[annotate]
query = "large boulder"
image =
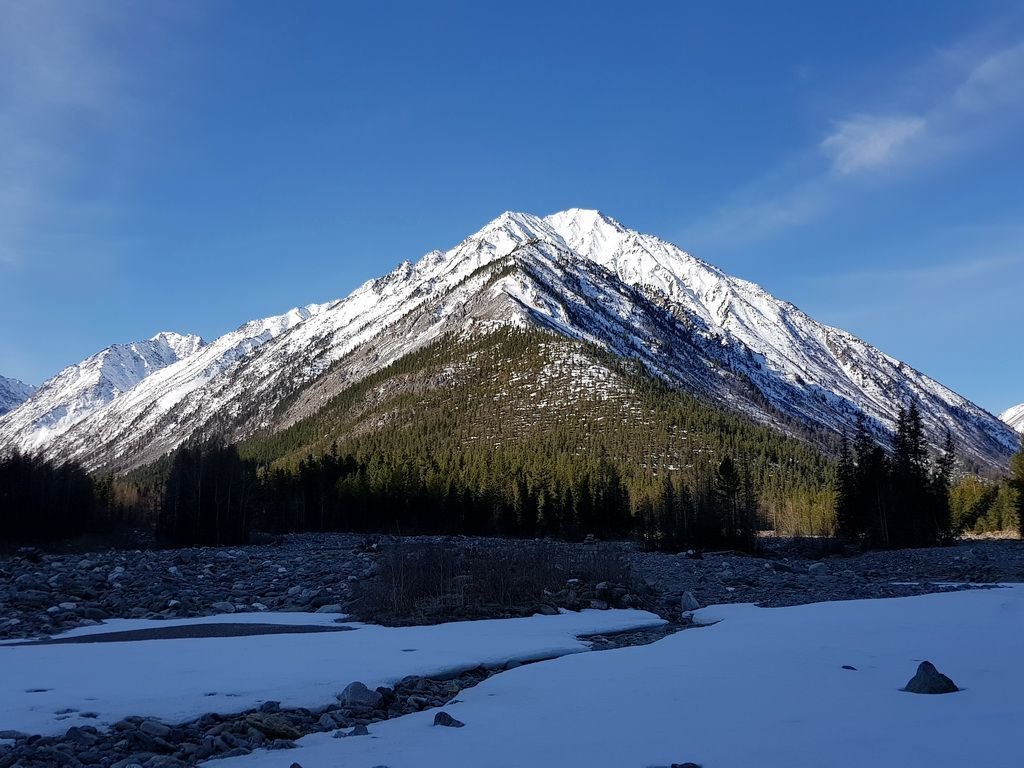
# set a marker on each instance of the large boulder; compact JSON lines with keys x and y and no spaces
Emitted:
{"x":929,"y":680}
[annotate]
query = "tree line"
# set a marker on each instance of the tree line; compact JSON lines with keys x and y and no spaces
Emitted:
{"x":47,"y":500}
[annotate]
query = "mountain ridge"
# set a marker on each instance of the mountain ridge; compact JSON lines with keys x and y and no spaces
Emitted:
{"x":577,"y":273}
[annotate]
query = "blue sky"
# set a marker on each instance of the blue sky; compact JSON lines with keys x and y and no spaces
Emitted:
{"x":188,"y":166}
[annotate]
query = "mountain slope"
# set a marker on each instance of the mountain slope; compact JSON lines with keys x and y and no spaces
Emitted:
{"x":1014,"y":417}
{"x":576,"y":274}
{"x":13,"y":393}
{"x":82,"y":389}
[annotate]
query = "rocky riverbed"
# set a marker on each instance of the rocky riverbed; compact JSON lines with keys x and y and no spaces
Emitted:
{"x":42,"y":594}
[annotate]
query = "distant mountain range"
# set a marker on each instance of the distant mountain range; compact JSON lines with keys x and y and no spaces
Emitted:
{"x":577,"y":275}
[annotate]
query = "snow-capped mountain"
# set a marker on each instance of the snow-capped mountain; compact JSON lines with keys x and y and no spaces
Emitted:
{"x":84,"y":388}
{"x":578,"y":274}
{"x":128,"y":420}
{"x":1014,"y":417}
{"x":13,"y":393}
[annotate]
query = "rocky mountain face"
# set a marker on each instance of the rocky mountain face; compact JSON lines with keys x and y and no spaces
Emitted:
{"x":1014,"y":417}
{"x":13,"y":393}
{"x":577,"y":274}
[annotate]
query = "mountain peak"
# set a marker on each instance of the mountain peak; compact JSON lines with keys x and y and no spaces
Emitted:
{"x":182,"y":345}
{"x":588,"y":232}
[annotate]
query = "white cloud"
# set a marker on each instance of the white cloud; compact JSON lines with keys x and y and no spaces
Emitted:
{"x":980,"y":104}
{"x":868,"y":142}
{"x":58,"y":81}
{"x":996,"y":80}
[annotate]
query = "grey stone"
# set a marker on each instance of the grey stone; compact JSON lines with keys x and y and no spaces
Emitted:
{"x":223,"y":607}
{"x":154,"y":728}
{"x":929,"y":680}
{"x":444,"y":719}
{"x":688,"y":602}
{"x":358,"y":695}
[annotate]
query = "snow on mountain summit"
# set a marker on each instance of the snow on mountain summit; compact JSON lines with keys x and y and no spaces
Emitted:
{"x":1014,"y":417}
{"x":577,"y":273}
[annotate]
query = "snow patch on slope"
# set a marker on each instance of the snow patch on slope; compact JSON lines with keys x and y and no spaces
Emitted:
{"x":1014,"y":417}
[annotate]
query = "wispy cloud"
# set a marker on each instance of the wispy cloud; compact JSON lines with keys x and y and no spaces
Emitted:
{"x":58,"y":82}
{"x":994,"y":81}
{"x":867,"y":142}
{"x":984,"y":99}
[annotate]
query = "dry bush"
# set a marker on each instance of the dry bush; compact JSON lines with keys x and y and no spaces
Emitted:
{"x":428,"y":583}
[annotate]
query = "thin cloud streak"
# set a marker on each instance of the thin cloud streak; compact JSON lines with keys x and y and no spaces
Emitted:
{"x":57,"y":80}
{"x":866,"y":142}
{"x":985,"y":102}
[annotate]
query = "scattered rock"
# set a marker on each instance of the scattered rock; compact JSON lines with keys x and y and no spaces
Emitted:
{"x":929,"y":680}
{"x":819,"y":570}
{"x":444,"y":719}
{"x":688,"y":602}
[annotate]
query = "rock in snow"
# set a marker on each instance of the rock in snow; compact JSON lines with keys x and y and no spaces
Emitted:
{"x":446,"y":720}
{"x":929,"y":680}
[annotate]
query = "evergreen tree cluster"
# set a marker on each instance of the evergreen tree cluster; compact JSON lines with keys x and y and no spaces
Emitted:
{"x":982,"y":505}
{"x":410,"y":494}
{"x":207,"y":497}
{"x":900,"y":500}
{"x":722,"y":510}
{"x":40,"y":499}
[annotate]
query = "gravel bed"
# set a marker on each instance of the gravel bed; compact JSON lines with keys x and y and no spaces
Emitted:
{"x":41,"y":594}
{"x":775,"y":581}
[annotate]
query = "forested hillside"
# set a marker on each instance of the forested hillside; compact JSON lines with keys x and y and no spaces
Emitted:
{"x":516,"y":418}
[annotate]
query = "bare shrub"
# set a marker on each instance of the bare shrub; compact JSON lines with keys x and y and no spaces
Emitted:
{"x":420,"y":583}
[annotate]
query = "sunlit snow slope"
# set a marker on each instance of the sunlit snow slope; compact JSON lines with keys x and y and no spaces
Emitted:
{"x":82,"y":389}
{"x":1014,"y":417}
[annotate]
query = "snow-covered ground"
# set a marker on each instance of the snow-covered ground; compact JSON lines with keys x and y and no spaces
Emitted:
{"x":45,"y":689}
{"x":762,"y":687}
